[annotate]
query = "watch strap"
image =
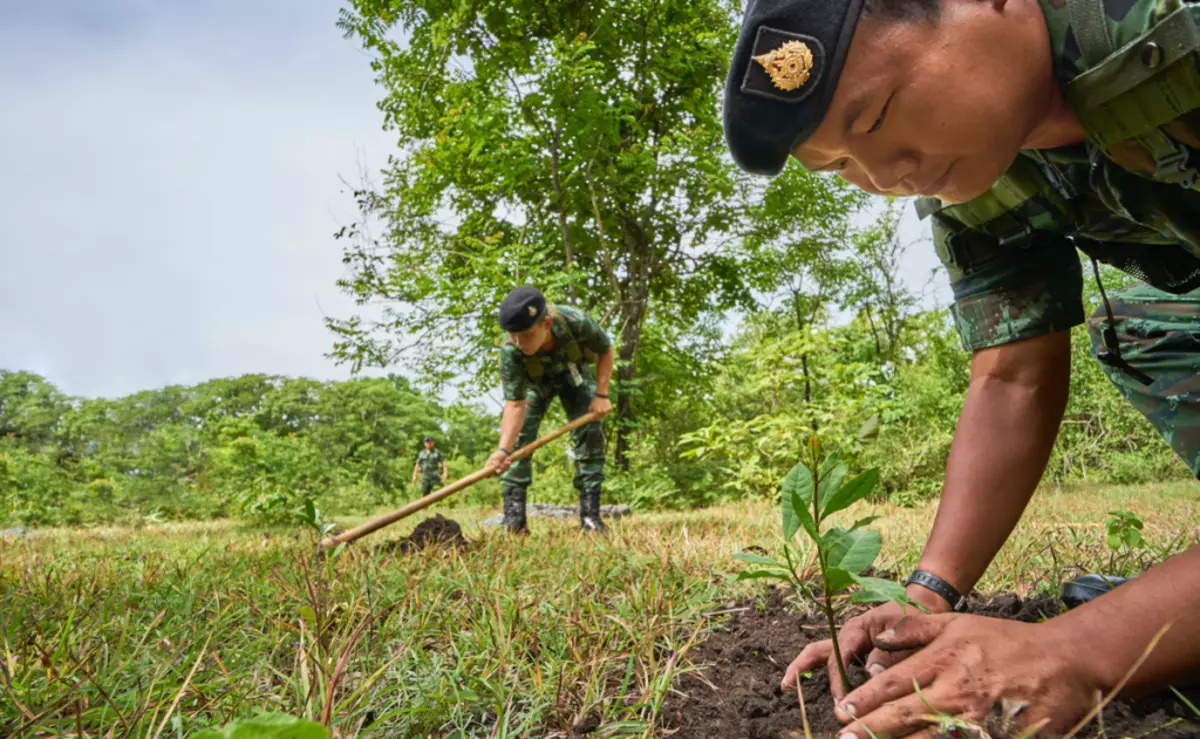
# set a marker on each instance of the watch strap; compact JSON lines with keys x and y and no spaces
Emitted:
{"x":930,"y":581}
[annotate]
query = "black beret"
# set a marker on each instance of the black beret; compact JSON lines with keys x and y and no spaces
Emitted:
{"x":522,"y":308}
{"x":785,"y":68}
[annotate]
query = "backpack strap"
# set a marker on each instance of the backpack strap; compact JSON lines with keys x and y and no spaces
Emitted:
{"x":1128,"y":95}
{"x":1091,"y":29}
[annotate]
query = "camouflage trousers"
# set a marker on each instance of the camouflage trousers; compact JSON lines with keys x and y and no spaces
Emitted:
{"x":588,"y":440}
{"x":1159,"y":335}
{"x":429,"y":483}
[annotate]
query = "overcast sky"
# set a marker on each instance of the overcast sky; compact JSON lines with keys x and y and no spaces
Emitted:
{"x":169,"y":184}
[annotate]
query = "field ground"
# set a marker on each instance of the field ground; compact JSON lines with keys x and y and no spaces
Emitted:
{"x":163,"y":630}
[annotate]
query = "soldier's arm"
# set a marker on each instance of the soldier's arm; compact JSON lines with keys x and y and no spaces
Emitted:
{"x":445,"y":468}
{"x":1005,"y":433}
{"x":604,"y":368}
{"x":510,"y":428}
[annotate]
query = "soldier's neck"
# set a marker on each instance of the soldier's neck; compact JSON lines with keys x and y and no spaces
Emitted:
{"x":1058,"y":127}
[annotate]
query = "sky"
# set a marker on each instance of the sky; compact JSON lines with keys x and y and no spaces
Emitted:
{"x":170,"y":180}
{"x":169,"y":187}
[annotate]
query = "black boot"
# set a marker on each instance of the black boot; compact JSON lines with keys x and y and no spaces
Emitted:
{"x":589,"y":511}
{"x":514,"y":510}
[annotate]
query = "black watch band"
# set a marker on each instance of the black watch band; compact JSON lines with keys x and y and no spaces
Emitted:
{"x":601,"y":395}
{"x":930,"y":581}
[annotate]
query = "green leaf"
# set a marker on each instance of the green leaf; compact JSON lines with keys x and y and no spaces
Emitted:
{"x":855,"y":551}
{"x":837,"y":580}
{"x":268,"y":725}
{"x":756,"y":559}
{"x":830,"y":483}
{"x":878,"y":590}
{"x":864,"y":522}
{"x":1113,"y":540}
{"x":797,"y":497}
{"x":869,"y":428}
{"x":852,"y":492}
{"x":762,"y":574}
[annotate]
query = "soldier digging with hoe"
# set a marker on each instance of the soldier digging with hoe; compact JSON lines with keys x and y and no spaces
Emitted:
{"x":431,"y":463}
{"x":548,"y":352}
{"x":1033,"y":128}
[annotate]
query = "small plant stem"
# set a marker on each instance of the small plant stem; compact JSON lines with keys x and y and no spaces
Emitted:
{"x":827,"y":607}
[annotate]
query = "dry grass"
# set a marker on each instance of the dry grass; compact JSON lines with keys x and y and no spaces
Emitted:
{"x":104,"y":631}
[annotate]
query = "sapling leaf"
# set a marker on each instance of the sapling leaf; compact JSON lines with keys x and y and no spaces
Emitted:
{"x":855,"y":550}
{"x":797,"y":484}
{"x":804,"y":516}
{"x":852,"y":492}
{"x":833,"y":472}
{"x":838,"y":580}
{"x":864,"y":522}
{"x":878,"y":590}
{"x":757,"y":559}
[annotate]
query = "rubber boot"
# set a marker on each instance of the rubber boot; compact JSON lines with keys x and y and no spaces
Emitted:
{"x":1088,"y":587}
{"x":589,"y":511}
{"x":514,"y":511}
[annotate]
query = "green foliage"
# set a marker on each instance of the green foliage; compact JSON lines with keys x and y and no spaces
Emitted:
{"x":267,"y":726}
{"x":256,"y":446}
{"x":1123,"y":531}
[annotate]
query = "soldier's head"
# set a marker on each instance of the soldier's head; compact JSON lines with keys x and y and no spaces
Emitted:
{"x":899,"y":97}
{"x":524,"y":316}
{"x":429,"y":443}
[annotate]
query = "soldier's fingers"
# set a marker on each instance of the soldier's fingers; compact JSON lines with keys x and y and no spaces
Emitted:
{"x":811,"y":656}
{"x":852,"y":641}
{"x":879,"y":660}
{"x":909,"y":715}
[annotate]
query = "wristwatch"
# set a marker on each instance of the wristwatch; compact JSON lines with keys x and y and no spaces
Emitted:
{"x":930,"y":581}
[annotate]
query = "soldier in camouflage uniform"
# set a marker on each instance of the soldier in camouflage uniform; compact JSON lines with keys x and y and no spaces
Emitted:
{"x":548,"y":353}
{"x":1034,"y":128}
{"x":431,"y":464}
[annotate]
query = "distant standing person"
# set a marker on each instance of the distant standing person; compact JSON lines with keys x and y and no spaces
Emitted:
{"x":549,"y":352}
{"x":431,"y":463}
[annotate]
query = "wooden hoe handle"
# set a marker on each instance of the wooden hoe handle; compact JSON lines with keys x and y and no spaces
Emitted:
{"x":389,"y":518}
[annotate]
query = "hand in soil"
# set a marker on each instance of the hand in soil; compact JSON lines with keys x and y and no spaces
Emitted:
{"x":966,"y":666}
{"x":855,"y":638}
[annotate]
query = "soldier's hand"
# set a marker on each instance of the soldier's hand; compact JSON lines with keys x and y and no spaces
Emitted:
{"x":499,"y":461}
{"x":600,"y":406}
{"x":414,"y":480}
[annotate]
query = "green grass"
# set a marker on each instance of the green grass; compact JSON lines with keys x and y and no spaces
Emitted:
{"x":165,"y":630}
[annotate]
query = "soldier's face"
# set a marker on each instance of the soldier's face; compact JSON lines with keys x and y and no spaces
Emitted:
{"x":532,"y":338}
{"x":429,"y":445}
{"x":937,"y":109}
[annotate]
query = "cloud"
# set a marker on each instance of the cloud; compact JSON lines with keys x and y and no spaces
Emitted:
{"x":169,"y":185}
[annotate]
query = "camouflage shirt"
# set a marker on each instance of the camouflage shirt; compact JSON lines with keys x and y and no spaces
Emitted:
{"x":430,"y":461}
{"x":1030,"y":284}
{"x":575,"y":333}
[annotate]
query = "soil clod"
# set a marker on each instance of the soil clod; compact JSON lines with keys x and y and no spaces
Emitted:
{"x":436,"y":531}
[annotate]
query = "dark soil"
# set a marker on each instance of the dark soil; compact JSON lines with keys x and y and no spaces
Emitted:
{"x":737,"y":695}
{"x":437,"y":531}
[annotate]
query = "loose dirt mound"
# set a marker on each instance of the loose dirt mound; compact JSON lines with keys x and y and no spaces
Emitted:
{"x":437,"y":531}
{"x":737,"y":694}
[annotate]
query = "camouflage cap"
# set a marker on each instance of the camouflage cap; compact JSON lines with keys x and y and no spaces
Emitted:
{"x":522,"y":308}
{"x":427,"y":438}
{"x":785,"y":68}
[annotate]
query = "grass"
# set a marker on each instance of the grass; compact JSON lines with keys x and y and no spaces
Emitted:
{"x":165,"y":630}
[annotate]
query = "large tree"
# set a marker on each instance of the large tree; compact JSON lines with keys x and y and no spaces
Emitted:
{"x":572,"y":144}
